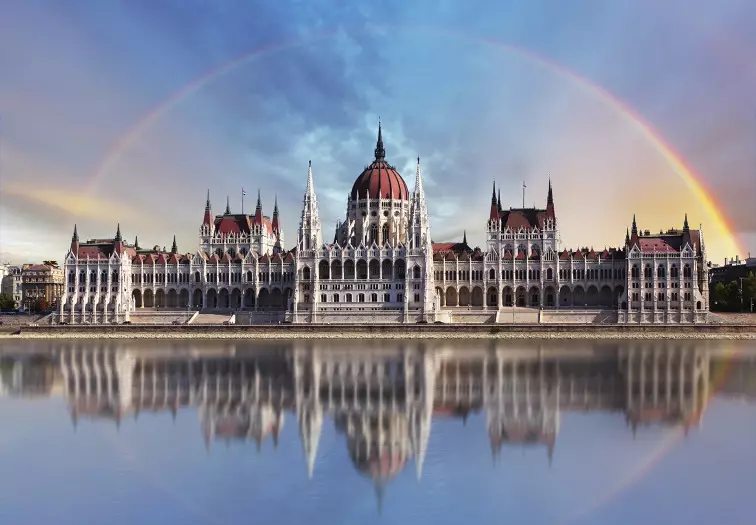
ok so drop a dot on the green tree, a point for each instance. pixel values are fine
(719, 301)
(749, 291)
(7, 304)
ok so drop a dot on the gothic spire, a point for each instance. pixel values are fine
(550, 198)
(275, 206)
(627, 236)
(686, 227)
(174, 248)
(464, 237)
(75, 237)
(493, 195)
(419, 192)
(207, 202)
(498, 200)
(634, 230)
(118, 237)
(136, 242)
(259, 202)
(228, 206)
(380, 152)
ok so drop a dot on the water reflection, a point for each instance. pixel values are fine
(383, 400)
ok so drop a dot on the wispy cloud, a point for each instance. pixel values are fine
(472, 111)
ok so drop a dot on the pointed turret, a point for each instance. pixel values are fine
(419, 230)
(627, 236)
(275, 223)
(208, 218)
(174, 247)
(228, 206)
(75, 241)
(136, 242)
(118, 241)
(550, 203)
(464, 237)
(634, 230)
(498, 200)
(686, 227)
(494, 215)
(380, 152)
(309, 225)
(258, 210)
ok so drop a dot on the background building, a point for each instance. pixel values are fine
(41, 286)
(12, 285)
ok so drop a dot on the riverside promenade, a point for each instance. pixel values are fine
(389, 331)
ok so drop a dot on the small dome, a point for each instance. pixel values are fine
(380, 178)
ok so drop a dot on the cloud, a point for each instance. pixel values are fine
(474, 112)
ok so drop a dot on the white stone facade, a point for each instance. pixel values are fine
(382, 266)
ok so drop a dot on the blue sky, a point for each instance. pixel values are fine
(80, 76)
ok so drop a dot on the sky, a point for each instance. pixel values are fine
(129, 112)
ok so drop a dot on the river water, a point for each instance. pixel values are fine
(360, 432)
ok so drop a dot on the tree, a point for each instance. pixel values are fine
(719, 297)
(749, 291)
(7, 304)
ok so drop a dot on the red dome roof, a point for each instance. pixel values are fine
(380, 178)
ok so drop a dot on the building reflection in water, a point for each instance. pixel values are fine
(383, 400)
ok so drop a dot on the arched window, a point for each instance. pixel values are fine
(549, 274)
(306, 273)
(197, 277)
(673, 272)
(373, 234)
(416, 272)
(385, 234)
(648, 273)
(660, 272)
(634, 272)
(686, 271)
(492, 274)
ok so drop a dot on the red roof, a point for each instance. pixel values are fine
(526, 218)
(380, 178)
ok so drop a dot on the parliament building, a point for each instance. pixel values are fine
(381, 266)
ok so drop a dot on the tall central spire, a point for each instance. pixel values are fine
(380, 152)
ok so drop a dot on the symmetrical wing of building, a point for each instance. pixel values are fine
(382, 265)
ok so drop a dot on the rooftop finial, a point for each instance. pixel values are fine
(118, 233)
(259, 202)
(207, 202)
(380, 152)
(174, 248)
(228, 205)
(75, 237)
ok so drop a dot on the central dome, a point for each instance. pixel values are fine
(380, 178)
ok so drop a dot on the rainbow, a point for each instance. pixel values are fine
(653, 137)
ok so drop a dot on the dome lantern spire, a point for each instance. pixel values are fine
(380, 152)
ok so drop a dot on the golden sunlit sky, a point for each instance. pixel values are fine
(128, 113)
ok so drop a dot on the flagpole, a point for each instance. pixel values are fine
(242, 201)
(523, 194)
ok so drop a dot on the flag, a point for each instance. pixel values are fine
(523, 184)
(243, 192)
